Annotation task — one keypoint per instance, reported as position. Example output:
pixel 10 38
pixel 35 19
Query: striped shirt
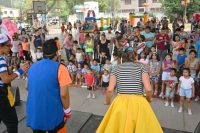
pixel 3 68
pixel 129 78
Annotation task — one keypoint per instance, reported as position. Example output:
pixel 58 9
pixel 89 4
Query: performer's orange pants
pixel 63 130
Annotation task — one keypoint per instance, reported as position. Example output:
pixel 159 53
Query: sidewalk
pixel 168 117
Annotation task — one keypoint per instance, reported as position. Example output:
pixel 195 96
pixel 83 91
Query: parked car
pixel 53 21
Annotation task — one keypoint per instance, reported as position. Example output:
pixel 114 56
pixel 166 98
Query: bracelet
pixel 19 72
pixel 67 111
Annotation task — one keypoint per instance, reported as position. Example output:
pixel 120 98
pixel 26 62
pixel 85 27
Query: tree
pixel 174 7
pixel 103 5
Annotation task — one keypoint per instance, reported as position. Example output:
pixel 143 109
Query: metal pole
pixel 185 12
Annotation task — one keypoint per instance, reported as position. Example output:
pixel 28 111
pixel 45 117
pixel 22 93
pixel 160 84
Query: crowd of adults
pixel 169 56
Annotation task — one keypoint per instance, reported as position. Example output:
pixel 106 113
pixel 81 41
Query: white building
pixel 137 6
pixel 9 12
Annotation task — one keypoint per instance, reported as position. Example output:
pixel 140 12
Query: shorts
pixel 185 93
pixel 169 93
pixel 105 84
pixel 155 78
pixel 165 75
pixel 90 88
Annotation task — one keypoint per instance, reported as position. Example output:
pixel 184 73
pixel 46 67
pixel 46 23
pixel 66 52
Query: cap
pixel 3 38
pixel 50 47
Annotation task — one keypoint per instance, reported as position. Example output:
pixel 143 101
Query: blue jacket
pixel 44 106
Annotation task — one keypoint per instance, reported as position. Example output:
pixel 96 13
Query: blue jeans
pixel 68 53
pixel 162 54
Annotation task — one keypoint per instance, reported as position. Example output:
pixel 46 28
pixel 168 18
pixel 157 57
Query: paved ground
pixel 168 117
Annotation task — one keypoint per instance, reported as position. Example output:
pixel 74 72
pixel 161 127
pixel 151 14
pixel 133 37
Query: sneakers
pixel 189 112
pixel 180 110
pixel 161 94
pixel 155 93
pixel 166 104
pixel 172 104
pixel 93 96
pixel 89 95
pixel 196 99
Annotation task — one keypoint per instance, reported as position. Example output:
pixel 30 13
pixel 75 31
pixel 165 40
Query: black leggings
pixel 27 55
pixel 8 115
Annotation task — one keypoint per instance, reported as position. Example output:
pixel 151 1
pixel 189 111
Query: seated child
pixel 79 74
pixel 105 80
pixel 107 66
pixel 79 56
pixel 72 70
pixel 115 61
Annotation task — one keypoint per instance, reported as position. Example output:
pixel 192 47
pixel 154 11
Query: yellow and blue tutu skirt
pixel 129 114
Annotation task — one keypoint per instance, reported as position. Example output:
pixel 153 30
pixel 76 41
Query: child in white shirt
pixel 39 54
pixel 72 70
pixel 186 89
pixel 79 56
pixel 105 80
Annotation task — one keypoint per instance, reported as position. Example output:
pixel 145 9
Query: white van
pixel 53 21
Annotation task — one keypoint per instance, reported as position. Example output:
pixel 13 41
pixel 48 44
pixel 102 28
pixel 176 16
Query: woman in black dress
pixel 103 46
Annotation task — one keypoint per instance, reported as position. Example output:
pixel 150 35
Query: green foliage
pixel 66 6
pixel 173 7
pixel 103 5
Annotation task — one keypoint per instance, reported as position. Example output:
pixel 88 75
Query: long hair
pixel 129 56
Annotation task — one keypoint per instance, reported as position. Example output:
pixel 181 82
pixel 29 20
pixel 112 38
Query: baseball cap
pixel 3 38
pixel 50 48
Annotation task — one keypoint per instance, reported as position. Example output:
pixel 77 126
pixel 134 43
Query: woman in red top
pixel 162 39
pixel 89 79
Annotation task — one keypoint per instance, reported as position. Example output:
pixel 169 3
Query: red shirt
pixel 62 28
pixel 162 45
pixel 89 78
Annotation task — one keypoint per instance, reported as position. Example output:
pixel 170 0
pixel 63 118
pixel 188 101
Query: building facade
pixel 7 3
pixel 6 12
pixel 137 6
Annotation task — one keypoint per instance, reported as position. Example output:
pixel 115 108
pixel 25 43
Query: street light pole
pixel 185 3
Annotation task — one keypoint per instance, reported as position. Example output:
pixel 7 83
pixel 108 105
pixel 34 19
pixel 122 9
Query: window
pixel 5 12
pixel 155 1
pixel 141 3
pixel 11 12
pixel 127 2
pixel 156 9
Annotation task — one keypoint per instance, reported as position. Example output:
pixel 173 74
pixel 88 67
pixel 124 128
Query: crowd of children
pixel 20 52
pixel 171 58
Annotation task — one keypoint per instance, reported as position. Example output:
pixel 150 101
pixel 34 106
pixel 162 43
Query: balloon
pixel 11 27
